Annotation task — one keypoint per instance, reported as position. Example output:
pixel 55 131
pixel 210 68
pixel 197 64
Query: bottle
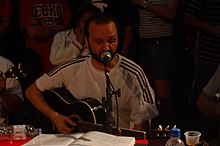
pixel 31 131
pixel 175 138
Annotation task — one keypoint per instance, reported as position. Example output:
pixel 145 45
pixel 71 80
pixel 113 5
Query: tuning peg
pixel 167 128
pixel 160 128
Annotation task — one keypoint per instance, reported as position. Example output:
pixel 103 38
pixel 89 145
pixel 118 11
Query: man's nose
pixel 106 46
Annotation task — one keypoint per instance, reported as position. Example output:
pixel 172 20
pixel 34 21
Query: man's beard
pixel 97 57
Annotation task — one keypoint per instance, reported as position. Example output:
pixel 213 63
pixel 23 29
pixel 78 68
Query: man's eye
pixel 111 40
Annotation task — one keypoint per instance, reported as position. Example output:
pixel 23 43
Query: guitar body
pixel 87 113
pixel 62 101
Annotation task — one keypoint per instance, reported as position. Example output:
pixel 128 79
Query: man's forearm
pixel 202 25
pixel 208 105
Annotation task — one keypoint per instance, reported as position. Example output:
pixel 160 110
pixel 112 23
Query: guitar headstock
pixel 16 72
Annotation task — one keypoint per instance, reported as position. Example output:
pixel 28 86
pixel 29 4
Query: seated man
pixel 85 77
pixel 11 97
pixel 209 100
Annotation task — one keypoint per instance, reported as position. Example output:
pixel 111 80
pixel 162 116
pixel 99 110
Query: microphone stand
pixel 107 103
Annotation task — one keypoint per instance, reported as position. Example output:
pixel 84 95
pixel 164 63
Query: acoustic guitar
pixel 61 100
pixel 87 113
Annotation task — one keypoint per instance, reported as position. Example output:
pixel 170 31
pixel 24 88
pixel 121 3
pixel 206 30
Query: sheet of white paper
pixel 53 139
pixel 92 138
pixel 95 138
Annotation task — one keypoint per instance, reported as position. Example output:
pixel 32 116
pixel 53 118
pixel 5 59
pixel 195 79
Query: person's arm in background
pixel 127 20
pixel 202 25
pixel 208 101
pixel 128 40
pixel 194 18
pixel 208 105
pixel 164 12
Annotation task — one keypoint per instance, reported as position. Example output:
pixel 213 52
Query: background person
pixel 39 22
pixel 209 101
pixel 158 52
pixel 203 15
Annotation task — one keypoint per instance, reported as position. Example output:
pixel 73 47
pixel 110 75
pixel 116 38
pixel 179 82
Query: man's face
pixel 102 38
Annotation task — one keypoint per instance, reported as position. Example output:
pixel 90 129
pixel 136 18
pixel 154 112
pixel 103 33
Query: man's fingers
pixel 69 121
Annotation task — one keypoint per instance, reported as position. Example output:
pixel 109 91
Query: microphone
pixel 106 58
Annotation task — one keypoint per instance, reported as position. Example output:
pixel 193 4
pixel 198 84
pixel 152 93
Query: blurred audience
pixel 40 20
pixel 158 48
pixel 204 16
pixel 70 43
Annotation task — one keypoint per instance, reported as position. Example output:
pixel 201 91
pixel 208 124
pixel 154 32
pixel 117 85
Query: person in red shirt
pixel 40 20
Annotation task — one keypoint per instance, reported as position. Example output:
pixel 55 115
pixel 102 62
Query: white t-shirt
pixel 137 101
pixel 12 86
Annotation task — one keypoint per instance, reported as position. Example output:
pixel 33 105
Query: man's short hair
pixel 99 18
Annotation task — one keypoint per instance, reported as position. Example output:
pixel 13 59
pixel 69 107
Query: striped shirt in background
pixel 209 10
pixel 151 26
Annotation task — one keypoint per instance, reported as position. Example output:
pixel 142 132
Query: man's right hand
pixel 61 123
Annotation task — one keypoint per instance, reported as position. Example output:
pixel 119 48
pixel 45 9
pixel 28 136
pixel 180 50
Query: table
pixel 151 142
pixel 13 142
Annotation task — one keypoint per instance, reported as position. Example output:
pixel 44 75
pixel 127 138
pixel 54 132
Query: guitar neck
pixel 86 126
